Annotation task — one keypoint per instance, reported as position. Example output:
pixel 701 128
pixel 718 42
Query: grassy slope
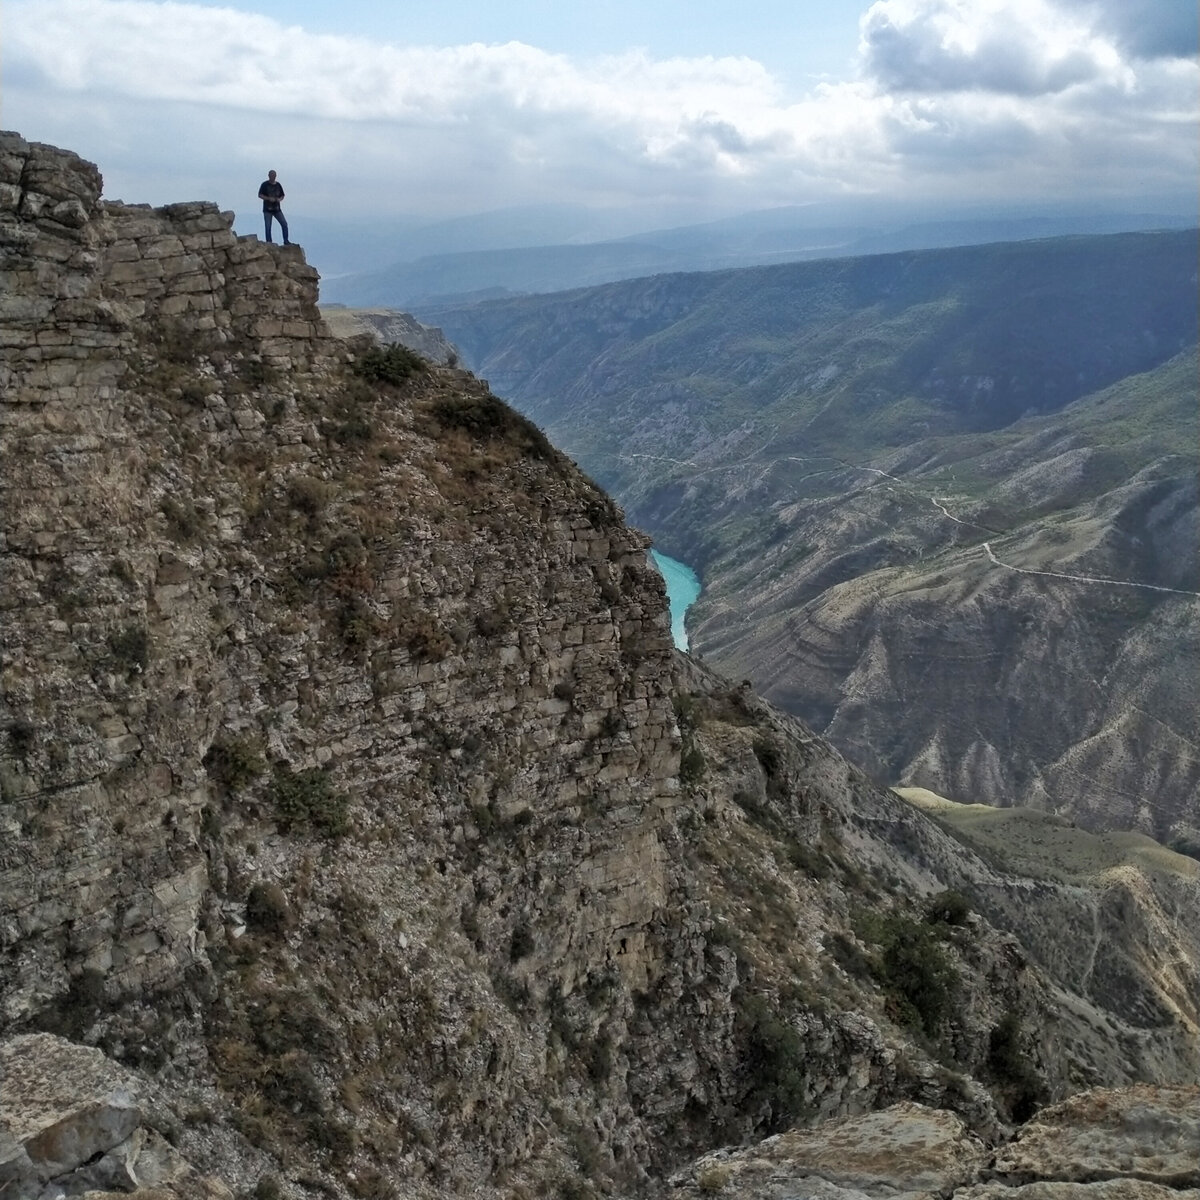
pixel 1043 846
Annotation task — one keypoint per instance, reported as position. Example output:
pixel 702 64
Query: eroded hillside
pixel 362 835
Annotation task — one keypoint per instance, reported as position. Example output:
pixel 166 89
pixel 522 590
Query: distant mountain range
pixel 527 251
pixel 908 482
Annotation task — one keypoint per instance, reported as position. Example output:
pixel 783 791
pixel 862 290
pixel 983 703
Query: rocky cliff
pixel 360 832
pixel 390 327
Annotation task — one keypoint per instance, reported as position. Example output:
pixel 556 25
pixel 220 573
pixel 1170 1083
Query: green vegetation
pixel 308 801
pixel 912 966
pixel 389 364
pixel 487 418
pixel 130 649
pixel 692 764
pixel 970 338
pixel 774 1060
pixel 948 908
pixel 1012 1067
pixel 790 428
pixel 268 910
pixel 423 633
pixel 521 944
pixel 184 519
pixel 309 495
pixel 179 342
pixel 233 762
pixel 255 373
pixel 22 736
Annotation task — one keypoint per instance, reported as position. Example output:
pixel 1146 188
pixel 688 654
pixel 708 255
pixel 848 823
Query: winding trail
pixel 1099 579
pixel 948 514
pixel 1097 938
pixel 938 502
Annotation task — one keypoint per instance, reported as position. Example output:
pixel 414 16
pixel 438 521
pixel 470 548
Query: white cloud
pixel 985 99
pixel 178 51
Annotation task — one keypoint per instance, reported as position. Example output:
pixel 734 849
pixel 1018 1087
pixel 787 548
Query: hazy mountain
pixel 455 261
pixel 848 450
pixel 340 246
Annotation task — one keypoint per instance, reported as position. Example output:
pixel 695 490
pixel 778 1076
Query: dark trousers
pixel 278 215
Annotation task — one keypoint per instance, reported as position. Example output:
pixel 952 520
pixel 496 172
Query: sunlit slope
pixel 1043 846
pixel 1103 908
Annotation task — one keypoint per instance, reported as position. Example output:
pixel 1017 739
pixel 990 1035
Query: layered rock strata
pixel 101 582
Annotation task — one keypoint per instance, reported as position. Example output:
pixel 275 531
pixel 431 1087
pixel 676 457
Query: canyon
pixel 363 835
pixel 943 503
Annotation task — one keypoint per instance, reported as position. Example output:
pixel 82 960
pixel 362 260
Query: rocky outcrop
pixel 126 600
pixel 1127 1144
pixel 74 1122
pixel 905 1150
pixel 1146 1133
pixel 254 603
pixel 389 326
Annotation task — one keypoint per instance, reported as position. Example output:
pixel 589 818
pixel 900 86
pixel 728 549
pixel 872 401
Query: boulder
pixel 1140 1132
pixel 906 1150
pixel 60 1105
pixel 72 1123
pixel 1109 1189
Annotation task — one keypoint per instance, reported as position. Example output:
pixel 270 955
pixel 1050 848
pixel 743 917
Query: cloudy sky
pixel 688 107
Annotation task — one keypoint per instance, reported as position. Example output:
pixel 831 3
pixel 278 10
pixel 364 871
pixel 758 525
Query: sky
pixel 661 110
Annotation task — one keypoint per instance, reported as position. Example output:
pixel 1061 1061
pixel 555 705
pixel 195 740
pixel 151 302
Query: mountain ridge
pixel 427 282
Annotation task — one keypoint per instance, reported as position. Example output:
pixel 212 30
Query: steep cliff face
pixel 245 590
pixel 355 805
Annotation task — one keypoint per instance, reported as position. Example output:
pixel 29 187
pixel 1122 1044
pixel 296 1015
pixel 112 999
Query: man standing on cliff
pixel 271 194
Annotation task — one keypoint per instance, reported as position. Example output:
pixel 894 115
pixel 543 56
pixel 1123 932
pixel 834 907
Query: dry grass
pixel 1045 846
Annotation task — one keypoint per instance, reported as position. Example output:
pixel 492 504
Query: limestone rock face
pixel 256 604
pixel 140 671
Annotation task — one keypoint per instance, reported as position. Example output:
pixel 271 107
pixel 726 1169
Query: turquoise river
pixel 683 586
